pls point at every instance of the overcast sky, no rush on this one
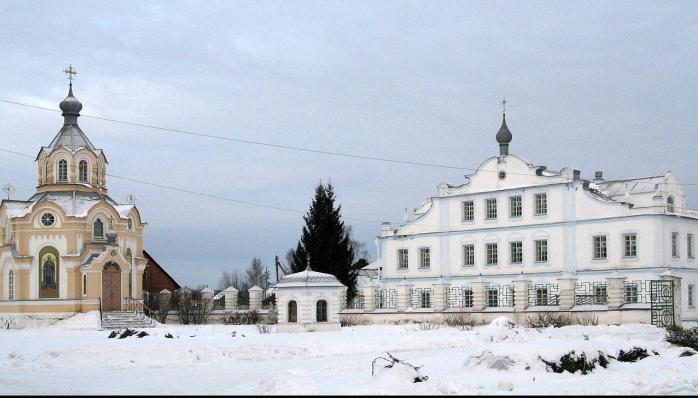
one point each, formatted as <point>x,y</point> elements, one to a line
<point>606,86</point>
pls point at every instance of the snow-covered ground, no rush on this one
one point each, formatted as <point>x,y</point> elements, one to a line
<point>73,357</point>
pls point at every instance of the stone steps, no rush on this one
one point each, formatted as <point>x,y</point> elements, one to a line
<point>126,319</point>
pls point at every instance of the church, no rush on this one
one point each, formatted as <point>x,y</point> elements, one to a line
<point>70,247</point>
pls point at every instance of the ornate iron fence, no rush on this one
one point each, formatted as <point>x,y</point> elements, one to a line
<point>356,303</point>
<point>421,297</point>
<point>586,293</point>
<point>662,303</point>
<point>499,296</point>
<point>386,299</point>
<point>459,297</point>
<point>543,294</point>
<point>637,292</point>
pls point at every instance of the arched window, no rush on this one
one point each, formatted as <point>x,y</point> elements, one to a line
<point>292,312</point>
<point>49,266</point>
<point>82,168</point>
<point>62,170</point>
<point>11,285</point>
<point>84,284</point>
<point>129,257</point>
<point>321,311</point>
<point>670,204</point>
<point>98,229</point>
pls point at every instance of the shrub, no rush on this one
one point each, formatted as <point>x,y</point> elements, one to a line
<point>193,308</point>
<point>264,329</point>
<point>546,319</point>
<point>242,318</point>
<point>462,321</point>
<point>587,319</point>
<point>683,337</point>
<point>636,354</point>
<point>572,363</point>
<point>428,326</point>
<point>348,320</point>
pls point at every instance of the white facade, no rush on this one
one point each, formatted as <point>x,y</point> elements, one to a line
<point>564,237</point>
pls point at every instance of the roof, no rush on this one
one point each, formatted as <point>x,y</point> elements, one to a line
<point>74,204</point>
<point>71,137</point>
<point>152,261</point>
<point>632,185</point>
<point>309,278</point>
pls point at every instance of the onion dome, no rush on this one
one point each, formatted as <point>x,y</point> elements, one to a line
<point>504,137</point>
<point>71,106</point>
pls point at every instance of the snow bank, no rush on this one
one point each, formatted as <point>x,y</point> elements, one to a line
<point>80,321</point>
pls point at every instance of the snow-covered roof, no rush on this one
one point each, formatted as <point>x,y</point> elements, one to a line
<point>632,186</point>
<point>309,278</point>
<point>74,204</point>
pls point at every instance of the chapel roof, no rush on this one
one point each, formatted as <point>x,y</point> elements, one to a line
<point>70,135</point>
<point>308,277</point>
<point>74,203</point>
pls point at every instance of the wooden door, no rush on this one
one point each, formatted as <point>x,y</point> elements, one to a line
<point>111,288</point>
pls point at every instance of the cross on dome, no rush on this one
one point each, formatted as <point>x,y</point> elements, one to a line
<point>70,72</point>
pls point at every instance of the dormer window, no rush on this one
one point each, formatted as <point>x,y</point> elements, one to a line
<point>62,170</point>
<point>670,204</point>
<point>98,229</point>
<point>82,168</point>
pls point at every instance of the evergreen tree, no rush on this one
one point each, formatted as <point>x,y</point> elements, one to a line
<point>326,240</point>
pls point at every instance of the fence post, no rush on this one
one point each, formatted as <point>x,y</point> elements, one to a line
<point>677,295</point>
<point>479,295</point>
<point>566,289</point>
<point>404,297</point>
<point>369,297</point>
<point>439,302</point>
<point>521,287</point>
<point>616,292</point>
<point>231,299</point>
<point>164,297</point>
<point>207,298</point>
<point>255,298</point>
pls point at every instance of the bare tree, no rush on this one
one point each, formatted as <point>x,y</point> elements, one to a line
<point>233,279</point>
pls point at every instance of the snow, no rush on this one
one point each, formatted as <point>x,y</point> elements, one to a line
<point>210,360</point>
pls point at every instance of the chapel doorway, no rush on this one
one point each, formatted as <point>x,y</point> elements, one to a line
<point>111,287</point>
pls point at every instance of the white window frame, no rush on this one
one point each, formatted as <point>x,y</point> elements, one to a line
<point>600,246</point>
<point>515,206</point>
<point>87,171</point>
<point>491,209</point>
<point>541,250</point>
<point>58,171</point>
<point>675,245</point>
<point>468,211</point>
<point>541,203</point>
<point>630,245</point>
<point>690,252</point>
<point>690,290</point>
<point>513,252</point>
<point>468,255</point>
<point>424,258</point>
<point>400,258</point>
<point>491,253</point>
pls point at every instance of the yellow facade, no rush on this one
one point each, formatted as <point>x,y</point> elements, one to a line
<point>55,246</point>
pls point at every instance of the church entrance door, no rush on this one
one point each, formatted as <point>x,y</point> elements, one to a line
<point>111,287</point>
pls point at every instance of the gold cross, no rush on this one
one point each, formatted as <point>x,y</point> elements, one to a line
<point>70,72</point>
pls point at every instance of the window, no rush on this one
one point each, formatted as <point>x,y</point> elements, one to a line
<point>516,252</point>
<point>600,247</point>
<point>631,293</point>
<point>62,170</point>
<point>292,312</point>
<point>425,299</point>
<point>502,175</point>
<point>675,244</point>
<point>492,297</point>
<point>690,295</point>
<point>630,245</point>
<point>321,311</point>
<point>541,204</point>
<point>82,171</point>
<point>98,229</point>
<point>515,208</point>
<point>47,219</point>
<point>689,246</point>
<point>84,284</point>
<point>541,296</point>
<point>600,295</point>
<point>468,255</point>
<point>467,298</point>
<point>670,204</point>
<point>468,211</point>
<point>542,251</point>
<point>491,205</point>
<point>424,258</point>
<point>491,254</point>
<point>11,285</point>
<point>130,223</point>
<point>402,259</point>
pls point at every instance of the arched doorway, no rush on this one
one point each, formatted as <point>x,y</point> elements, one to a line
<point>49,268</point>
<point>111,287</point>
<point>292,312</point>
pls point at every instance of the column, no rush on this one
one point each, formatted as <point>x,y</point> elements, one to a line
<point>404,293</point>
<point>369,293</point>
<point>231,299</point>
<point>566,288</point>
<point>616,292</point>
<point>438,302</point>
<point>207,298</point>
<point>164,300</point>
<point>521,288</point>
<point>255,298</point>
<point>479,295</point>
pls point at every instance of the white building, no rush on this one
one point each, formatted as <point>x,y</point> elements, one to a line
<point>513,221</point>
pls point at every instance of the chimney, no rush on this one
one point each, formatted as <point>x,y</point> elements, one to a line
<point>576,175</point>
<point>598,176</point>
